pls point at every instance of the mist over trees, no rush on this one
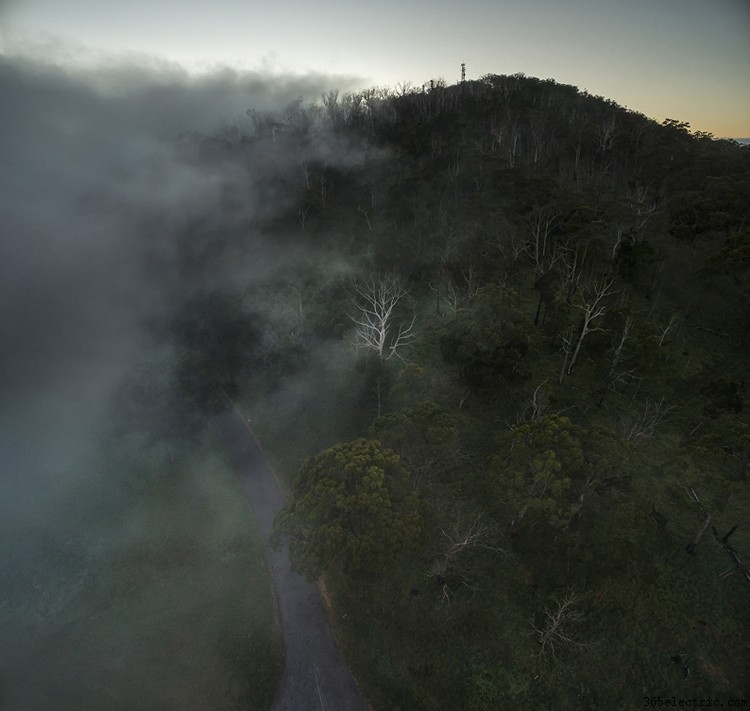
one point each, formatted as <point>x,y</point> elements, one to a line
<point>493,337</point>
<point>574,328</point>
<point>124,537</point>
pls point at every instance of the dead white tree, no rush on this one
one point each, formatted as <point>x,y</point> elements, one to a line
<point>620,237</point>
<point>593,308</point>
<point>539,135</point>
<point>554,633</point>
<point>498,129</point>
<point>515,136</point>
<point>302,213</point>
<point>455,292</point>
<point>366,215</point>
<point>573,260</point>
<point>642,424</point>
<point>376,299</point>
<point>618,346</point>
<point>540,245</point>
<point>643,207</point>
<point>674,322</point>
<point>472,279</point>
<point>605,133</point>
<point>536,407</point>
<point>467,532</point>
<point>580,123</point>
<point>453,296</point>
<point>449,292</point>
<point>306,173</point>
<point>567,348</point>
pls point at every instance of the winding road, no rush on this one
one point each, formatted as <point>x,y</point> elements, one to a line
<point>315,677</point>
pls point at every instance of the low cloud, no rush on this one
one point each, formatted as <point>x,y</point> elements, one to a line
<point>97,194</point>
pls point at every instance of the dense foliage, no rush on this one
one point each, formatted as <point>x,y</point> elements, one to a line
<point>567,418</point>
<point>352,510</point>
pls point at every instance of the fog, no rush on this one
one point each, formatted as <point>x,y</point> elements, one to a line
<point>101,188</point>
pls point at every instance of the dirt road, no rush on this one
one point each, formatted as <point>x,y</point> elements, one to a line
<point>315,677</point>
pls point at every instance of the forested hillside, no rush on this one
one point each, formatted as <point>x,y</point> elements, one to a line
<point>494,337</point>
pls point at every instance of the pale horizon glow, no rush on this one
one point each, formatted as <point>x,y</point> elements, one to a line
<point>681,59</point>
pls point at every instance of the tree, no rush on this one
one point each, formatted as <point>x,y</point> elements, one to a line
<point>553,633</point>
<point>534,469</point>
<point>377,298</point>
<point>593,307</point>
<point>425,437</point>
<point>352,510</point>
<point>541,244</point>
<point>642,424</point>
<point>490,342</point>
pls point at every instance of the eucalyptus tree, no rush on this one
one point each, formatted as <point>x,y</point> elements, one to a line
<point>353,511</point>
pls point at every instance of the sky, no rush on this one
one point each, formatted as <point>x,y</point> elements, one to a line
<point>683,59</point>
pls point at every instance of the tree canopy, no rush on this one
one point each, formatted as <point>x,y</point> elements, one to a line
<point>353,510</point>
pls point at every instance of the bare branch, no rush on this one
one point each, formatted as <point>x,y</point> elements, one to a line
<point>376,298</point>
<point>465,533</point>
<point>674,321</point>
<point>536,407</point>
<point>540,246</point>
<point>366,216</point>
<point>643,208</point>
<point>553,633</point>
<point>642,425</point>
<point>593,308</point>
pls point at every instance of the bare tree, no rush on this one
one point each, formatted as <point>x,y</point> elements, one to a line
<point>302,213</point>
<point>643,207</point>
<point>593,308</point>
<point>567,349</point>
<point>674,322</point>
<point>580,123</point>
<point>467,532</point>
<point>498,129</point>
<point>366,215</point>
<point>553,633</point>
<point>573,259</point>
<point>539,135</point>
<point>324,189</point>
<point>619,239</point>
<point>515,136</point>
<point>536,407</point>
<point>450,292</point>
<point>642,424</point>
<point>616,375</point>
<point>540,245</point>
<point>472,279</point>
<point>376,299</point>
<point>453,296</point>
<point>605,133</point>
<point>306,173</point>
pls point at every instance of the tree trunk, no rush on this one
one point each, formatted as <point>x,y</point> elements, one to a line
<point>691,546</point>
<point>538,309</point>
<point>584,331</point>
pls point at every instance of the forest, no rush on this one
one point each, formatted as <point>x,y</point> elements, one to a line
<point>493,337</point>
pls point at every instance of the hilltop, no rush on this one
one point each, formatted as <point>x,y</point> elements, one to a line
<point>525,311</point>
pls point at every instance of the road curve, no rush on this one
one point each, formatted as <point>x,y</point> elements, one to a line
<point>315,677</point>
